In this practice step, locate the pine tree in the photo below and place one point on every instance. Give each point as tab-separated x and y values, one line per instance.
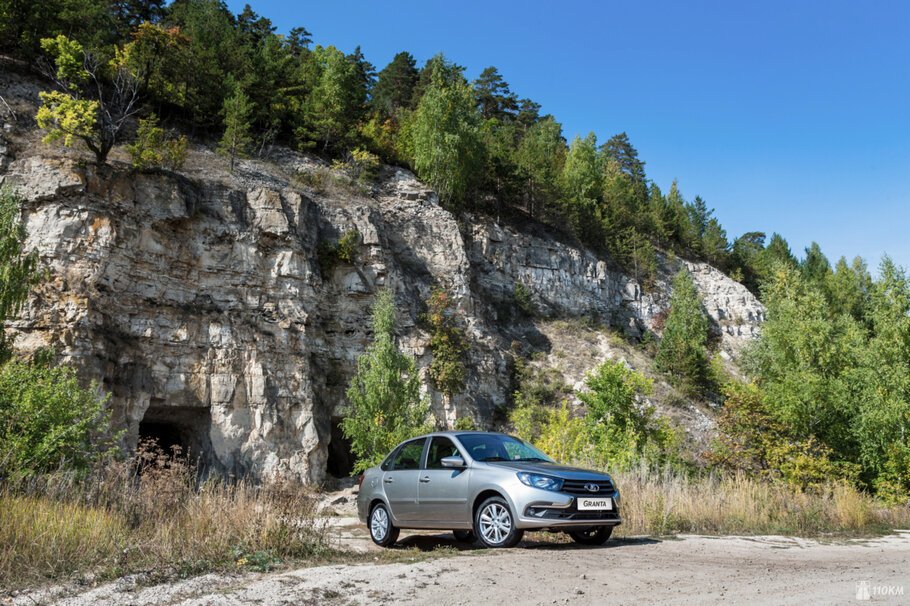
682	351
236	140
494	98
582	183
395	84
540	156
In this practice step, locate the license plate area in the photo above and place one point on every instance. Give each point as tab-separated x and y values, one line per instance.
594	504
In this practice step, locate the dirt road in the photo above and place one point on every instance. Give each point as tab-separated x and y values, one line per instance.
688	570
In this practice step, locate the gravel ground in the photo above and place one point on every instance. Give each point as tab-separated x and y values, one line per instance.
687	570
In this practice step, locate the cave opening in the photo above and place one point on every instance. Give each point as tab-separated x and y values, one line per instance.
184	427
340	462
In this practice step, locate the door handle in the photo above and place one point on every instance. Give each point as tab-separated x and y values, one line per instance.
425	479
388	480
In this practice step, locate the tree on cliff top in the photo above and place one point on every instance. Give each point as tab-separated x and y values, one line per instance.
385	402
448	150
97	98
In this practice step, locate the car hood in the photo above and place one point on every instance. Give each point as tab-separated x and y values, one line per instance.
551	469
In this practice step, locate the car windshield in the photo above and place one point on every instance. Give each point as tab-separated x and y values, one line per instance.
498	447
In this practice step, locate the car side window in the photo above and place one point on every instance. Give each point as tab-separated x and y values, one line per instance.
387	463
409	456
440	448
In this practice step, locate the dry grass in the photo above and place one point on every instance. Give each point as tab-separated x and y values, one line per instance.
666	502
160	521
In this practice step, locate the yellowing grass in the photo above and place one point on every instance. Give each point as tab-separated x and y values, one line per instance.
667	502
160	520
38	535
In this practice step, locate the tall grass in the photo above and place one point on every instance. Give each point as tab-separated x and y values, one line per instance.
155	517
667	502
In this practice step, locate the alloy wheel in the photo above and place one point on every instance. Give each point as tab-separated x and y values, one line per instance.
495	523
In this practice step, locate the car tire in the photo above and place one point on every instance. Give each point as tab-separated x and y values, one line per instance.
464	536
494	524
595	536
380	523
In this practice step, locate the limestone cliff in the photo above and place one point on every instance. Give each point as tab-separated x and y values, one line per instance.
197	299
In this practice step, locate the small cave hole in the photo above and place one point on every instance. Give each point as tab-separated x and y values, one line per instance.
179	426
341	460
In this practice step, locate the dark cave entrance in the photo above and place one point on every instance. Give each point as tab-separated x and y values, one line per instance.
340	463
179	426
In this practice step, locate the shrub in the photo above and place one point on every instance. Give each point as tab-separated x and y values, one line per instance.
751	440
331	254
153	148
361	165
522	295
48	421
465	424
447	342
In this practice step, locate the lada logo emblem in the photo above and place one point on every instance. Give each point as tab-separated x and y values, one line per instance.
592	487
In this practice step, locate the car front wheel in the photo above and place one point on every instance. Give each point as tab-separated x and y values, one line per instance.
381	530
593	536
494	524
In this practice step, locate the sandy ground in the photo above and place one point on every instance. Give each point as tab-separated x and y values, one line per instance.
687	570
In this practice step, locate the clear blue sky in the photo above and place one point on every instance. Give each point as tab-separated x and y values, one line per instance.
784	116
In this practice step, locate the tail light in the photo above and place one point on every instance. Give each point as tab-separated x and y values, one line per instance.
360	483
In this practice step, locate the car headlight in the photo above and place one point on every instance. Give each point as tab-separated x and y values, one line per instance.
536	481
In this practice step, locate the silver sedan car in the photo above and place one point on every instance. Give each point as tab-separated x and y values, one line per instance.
486	487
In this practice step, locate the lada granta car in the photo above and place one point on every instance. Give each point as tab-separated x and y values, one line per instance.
486	487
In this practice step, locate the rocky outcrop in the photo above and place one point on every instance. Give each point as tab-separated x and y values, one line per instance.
197	299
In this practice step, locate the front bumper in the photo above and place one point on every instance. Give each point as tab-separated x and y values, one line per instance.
545	509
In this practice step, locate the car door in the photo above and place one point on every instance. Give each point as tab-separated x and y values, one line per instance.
400	481
442	492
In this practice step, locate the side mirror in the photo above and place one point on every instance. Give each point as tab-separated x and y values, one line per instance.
453	462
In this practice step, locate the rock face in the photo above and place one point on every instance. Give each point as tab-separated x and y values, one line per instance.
198	302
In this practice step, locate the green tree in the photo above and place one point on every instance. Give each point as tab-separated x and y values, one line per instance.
236	139
882	427
18	271
583	187
446	134
384	397
682	352
540	157
215	57
806	360
336	102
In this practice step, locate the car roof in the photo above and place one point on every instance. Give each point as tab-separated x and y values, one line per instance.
456	432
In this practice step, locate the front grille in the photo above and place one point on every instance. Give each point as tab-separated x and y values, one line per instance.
576	488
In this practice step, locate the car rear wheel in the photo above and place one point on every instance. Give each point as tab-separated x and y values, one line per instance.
381	530
464	536
592	536
494	524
